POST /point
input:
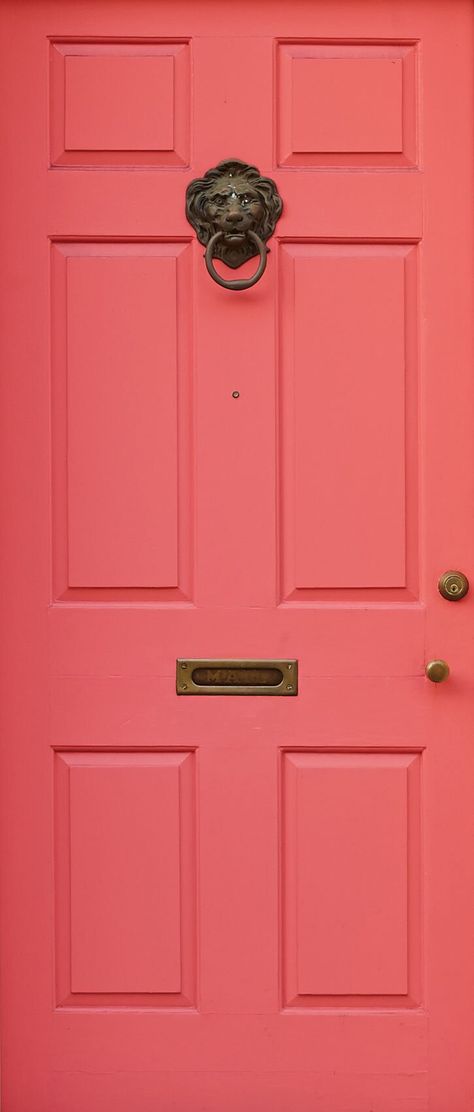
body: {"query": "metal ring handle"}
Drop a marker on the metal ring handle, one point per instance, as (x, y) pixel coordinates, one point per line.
(236, 283)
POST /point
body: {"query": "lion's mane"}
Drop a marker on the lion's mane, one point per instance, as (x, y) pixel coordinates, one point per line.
(197, 192)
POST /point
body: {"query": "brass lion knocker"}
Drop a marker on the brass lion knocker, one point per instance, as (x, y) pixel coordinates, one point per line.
(233, 211)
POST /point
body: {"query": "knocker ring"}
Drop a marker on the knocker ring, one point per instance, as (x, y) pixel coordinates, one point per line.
(236, 283)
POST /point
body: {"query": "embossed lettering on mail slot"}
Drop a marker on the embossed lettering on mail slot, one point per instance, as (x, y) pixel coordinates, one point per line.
(236, 677)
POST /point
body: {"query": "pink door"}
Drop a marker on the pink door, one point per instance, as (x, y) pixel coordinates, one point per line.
(222, 903)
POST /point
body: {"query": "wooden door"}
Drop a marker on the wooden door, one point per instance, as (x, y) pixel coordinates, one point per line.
(250, 904)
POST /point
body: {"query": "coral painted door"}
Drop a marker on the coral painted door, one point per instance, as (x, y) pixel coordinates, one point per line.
(218, 903)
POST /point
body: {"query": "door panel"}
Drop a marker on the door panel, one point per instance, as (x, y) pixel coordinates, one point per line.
(237, 903)
(116, 307)
(151, 83)
(347, 309)
(351, 854)
(125, 878)
(367, 104)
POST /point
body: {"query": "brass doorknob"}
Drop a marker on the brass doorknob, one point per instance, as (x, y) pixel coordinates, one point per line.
(453, 585)
(437, 671)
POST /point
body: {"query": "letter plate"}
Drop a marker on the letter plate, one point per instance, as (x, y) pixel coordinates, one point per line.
(236, 677)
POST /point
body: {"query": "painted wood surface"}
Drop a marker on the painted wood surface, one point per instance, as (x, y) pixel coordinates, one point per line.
(237, 903)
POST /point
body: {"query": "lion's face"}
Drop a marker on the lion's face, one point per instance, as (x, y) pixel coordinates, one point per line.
(233, 199)
(232, 206)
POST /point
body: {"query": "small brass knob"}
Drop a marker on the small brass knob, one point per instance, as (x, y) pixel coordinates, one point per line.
(437, 671)
(453, 585)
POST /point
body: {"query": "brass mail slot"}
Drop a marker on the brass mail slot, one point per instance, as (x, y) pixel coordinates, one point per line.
(236, 677)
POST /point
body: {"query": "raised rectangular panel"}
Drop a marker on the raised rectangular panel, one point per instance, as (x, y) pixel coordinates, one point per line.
(122, 425)
(119, 424)
(352, 104)
(125, 916)
(125, 877)
(351, 867)
(348, 470)
(119, 103)
(346, 104)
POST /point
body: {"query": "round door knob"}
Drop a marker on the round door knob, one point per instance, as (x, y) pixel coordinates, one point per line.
(437, 671)
(453, 585)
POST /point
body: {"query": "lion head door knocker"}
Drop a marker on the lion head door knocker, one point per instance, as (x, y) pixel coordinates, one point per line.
(233, 211)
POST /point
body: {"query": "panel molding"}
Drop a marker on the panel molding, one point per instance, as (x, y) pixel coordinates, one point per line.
(400, 770)
(368, 148)
(73, 953)
(65, 588)
(173, 147)
(292, 588)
